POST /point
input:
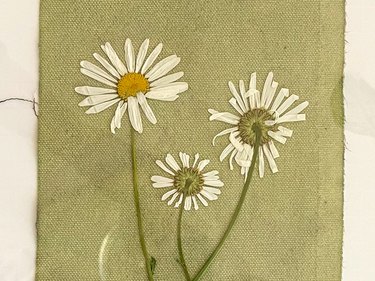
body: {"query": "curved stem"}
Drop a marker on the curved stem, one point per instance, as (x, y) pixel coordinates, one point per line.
(179, 244)
(138, 208)
(238, 208)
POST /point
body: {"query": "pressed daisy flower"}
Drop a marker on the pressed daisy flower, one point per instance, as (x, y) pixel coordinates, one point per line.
(188, 182)
(130, 84)
(269, 111)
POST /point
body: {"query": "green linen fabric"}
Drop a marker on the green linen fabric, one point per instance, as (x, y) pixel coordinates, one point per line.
(291, 225)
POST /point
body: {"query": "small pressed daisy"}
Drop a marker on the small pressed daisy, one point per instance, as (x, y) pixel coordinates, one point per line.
(188, 182)
(129, 85)
(268, 111)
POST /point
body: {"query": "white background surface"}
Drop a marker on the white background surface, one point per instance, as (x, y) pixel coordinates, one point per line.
(18, 133)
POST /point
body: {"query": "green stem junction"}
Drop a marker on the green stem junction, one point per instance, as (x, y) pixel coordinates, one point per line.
(233, 220)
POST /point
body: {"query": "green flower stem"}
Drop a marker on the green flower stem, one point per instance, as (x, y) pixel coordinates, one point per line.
(138, 208)
(179, 244)
(204, 268)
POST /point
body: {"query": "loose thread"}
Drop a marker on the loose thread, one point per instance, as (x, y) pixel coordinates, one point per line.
(24, 100)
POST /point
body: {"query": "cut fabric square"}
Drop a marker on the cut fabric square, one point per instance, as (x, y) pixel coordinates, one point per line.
(153, 165)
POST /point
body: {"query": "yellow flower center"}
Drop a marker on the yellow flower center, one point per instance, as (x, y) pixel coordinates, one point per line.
(131, 84)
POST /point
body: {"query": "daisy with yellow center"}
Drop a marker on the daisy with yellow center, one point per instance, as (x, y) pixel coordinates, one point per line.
(129, 85)
(188, 182)
(267, 111)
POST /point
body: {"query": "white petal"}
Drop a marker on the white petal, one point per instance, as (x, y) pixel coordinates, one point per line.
(202, 164)
(160, 64)
(94, 100)
(187, 159)
(116, 118)
(235, 141)
(161, 96)
(162, 184)
(212, 173)
(233, 102)
(246, 172)
(100, 107)
(266, 87)
(172, 163)
(217, 183)
(298, 108)
(212, 190)
(196, 157)
(97, 70)
(171, 88)
(277, 137)
(282, 94)
(170, 202)
(113, 57)
(164, 81)
(211, 178)
(168, 194)
(273, 149)
(182, 158)
(249, 151)
(113, 126)
(234, 92)
(97, 77)
(253, 81)
(164, 168)
(195, 202)
(141, 55)
(107, 65)
(203, 201)
(178, 203)
(261, 163)
(146, 108)
(134, 114)
(187, 206)
(161, 179)
(270, 122)
(271, 93)
(163, 67)
(228, 149)
(242, 159)
(121, 114)
(209, 195)
(152, 57)
(286, 104)
(168, 92)
(257, 99)
(92, 91)
(224, 117)
(234, 152)
(251, 94)
(271, 160)
(243, 94)
(285, 132)
(129, 55)
(243, 170)
(222, 133)
(291, 118)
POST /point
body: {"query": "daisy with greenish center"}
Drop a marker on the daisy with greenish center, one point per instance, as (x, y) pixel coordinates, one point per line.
(129, 85)
(267, 111)
(188, 182)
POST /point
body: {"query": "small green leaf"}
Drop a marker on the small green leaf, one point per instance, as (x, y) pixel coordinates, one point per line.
(153, 264)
